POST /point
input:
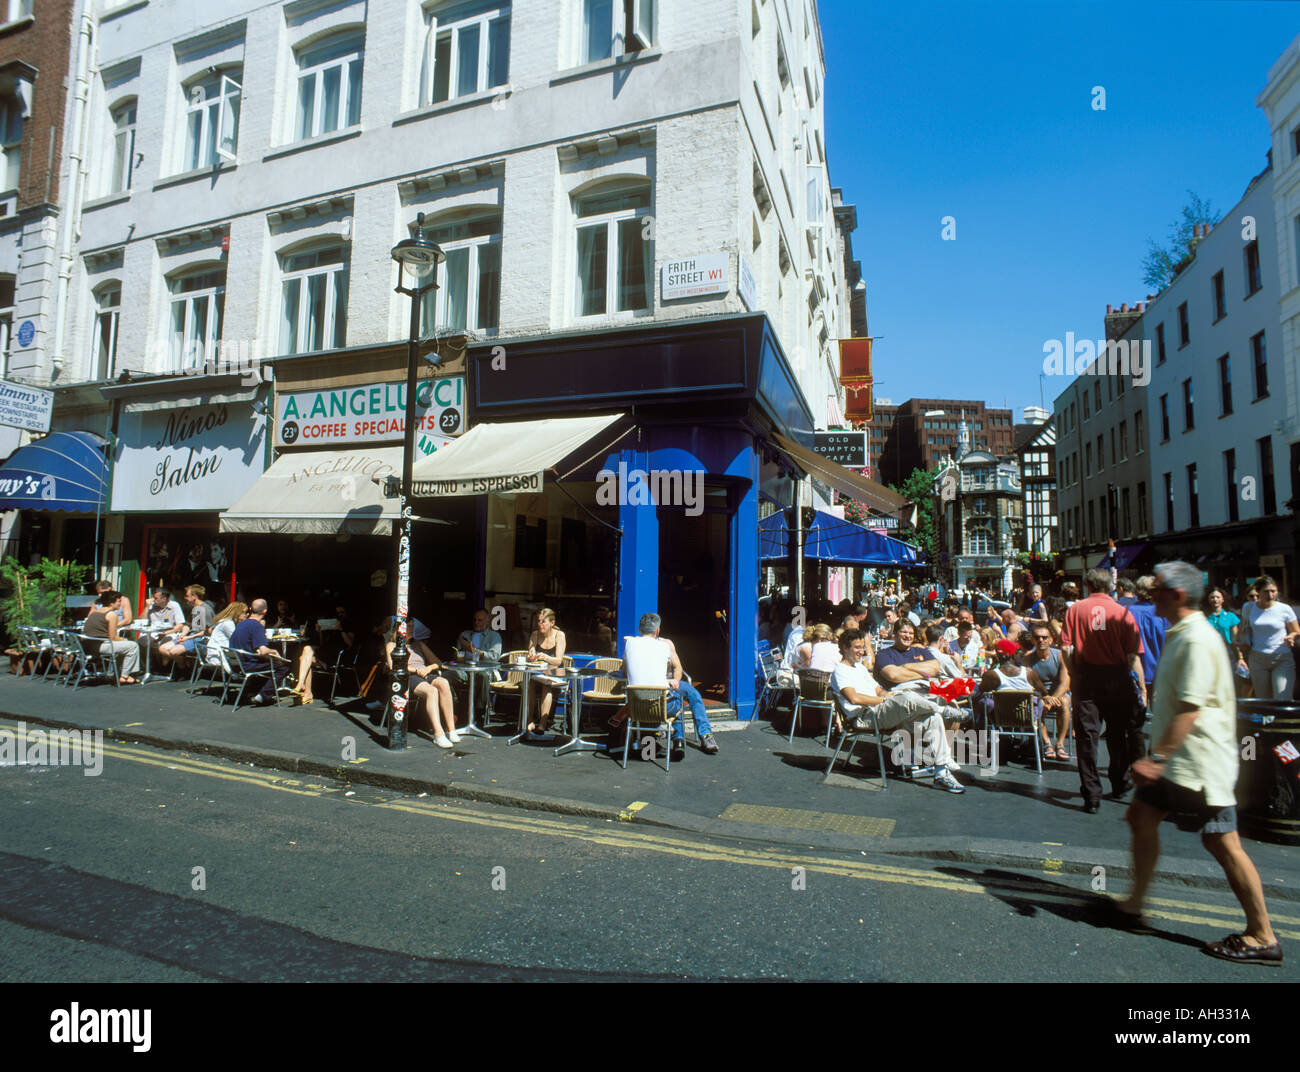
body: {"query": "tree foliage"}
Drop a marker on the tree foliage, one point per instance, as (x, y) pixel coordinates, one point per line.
(919, 488)
(1163, 262)
(37, 595)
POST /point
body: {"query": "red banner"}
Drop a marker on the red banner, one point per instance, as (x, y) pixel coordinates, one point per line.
(855, 376)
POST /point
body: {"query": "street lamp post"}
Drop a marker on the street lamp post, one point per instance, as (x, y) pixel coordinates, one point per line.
(421, 257)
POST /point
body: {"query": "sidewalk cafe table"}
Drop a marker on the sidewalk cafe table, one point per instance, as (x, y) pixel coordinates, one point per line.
(577, 744)
(529, 671)
(143, 628)
(285, 638)
(471, 671)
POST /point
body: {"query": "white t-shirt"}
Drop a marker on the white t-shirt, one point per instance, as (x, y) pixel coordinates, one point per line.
(792, 646)
(646, 661)
(1267, 627)
(219, 642)
(859, 679)
(825, 656)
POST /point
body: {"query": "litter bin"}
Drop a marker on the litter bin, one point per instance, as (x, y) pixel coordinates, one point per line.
(1268, 786)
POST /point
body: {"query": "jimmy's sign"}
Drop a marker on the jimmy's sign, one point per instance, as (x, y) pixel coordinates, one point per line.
(694, 277)
(374, 413)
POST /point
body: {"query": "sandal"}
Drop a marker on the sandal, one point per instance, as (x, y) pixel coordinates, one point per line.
(1063, 752)
(1234, 947)
(1049, 752)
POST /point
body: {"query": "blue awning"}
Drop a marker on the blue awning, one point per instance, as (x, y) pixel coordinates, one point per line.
(832, 539)
(64, 471)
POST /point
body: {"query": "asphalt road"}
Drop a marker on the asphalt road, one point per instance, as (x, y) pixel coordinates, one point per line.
(171, 868)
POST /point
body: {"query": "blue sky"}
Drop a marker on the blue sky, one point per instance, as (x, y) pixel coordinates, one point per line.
(984, 113)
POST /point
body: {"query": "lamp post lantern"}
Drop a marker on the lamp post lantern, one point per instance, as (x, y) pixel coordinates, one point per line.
(421, 257)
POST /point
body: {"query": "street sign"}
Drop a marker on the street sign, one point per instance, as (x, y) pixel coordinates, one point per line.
(844, 448)
(25, 407)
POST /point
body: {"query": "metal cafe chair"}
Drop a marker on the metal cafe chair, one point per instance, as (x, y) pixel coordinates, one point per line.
(647, 710)
(814, 692)
(93, 661)
(240, 676)
(217, 669)
(1014, 714)
(511, 685)
(854, 734)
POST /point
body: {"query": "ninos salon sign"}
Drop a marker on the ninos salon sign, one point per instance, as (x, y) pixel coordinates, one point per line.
(199, 458)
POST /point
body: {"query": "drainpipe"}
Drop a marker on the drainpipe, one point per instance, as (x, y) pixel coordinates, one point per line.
(76, 185)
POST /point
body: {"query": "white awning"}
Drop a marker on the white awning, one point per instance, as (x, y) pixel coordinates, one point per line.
(846, 482)
(508, 458)
(320, 492)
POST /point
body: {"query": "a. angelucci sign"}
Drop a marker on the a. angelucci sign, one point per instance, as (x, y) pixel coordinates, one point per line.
(694, 277)
(197, 458)
(25, 407)
(374, 413)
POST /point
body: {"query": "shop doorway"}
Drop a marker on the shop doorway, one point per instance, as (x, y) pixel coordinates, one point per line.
(695, 591)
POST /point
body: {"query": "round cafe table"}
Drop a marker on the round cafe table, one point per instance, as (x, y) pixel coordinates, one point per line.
(472, 672)
(142, 628)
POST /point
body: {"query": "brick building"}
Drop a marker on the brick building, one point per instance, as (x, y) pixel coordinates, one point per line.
(921, 432)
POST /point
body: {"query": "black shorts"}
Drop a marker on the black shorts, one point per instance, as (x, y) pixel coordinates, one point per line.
(1188, 809)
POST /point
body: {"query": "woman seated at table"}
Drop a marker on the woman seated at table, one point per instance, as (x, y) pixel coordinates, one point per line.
(819, 650)
(223, 625)
(283, 617)
(428, 685)
(545, 645)
(123, 608)
(321, 647)
(102, 624)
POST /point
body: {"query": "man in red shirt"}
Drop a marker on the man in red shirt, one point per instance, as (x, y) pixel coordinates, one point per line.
(1103, 646)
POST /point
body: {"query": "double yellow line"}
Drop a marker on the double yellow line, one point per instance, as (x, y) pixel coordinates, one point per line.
(623, 837)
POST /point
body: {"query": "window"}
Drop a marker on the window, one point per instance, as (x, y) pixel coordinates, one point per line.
(1259, 359)
(1220, 297)
(11, 141)
(1225, 386)
(1086, 411)
(123, 148)
(1164, 418)
(1189, 414)
(1169, 501)
(329, 87)
(1101, 453)
(1254, 278)
(1265, 447)
(211, 122)
(1114, 457)
(469, 280)
(467, 50)
(1119, 383)
(1193, 499)
(1087, 459)
(1184, 328)
(612, 27)
(1230, 483)
(1092, 521)
(1123, 440)
(1160, 343)
(980, 506)
(1142, 507)
(1139, 435)
(314, 301)
(1097, 400)
(6, 321)
(1126, 508)
(981, 541)
(104, 358)
(18, 9)
(1295, 143)
(613, 252)
(198, 302)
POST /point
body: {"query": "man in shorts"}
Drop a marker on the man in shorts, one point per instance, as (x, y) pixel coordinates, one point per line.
(1192, 770)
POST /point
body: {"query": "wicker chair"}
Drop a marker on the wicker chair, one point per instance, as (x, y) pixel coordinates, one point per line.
(815, 692)
(606, 686)
(511, 685)
(647, 710)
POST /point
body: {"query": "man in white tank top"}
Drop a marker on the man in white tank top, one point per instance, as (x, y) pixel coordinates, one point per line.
(647, 660)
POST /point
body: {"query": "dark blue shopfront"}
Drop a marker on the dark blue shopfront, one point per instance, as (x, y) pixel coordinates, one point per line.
(699, 398)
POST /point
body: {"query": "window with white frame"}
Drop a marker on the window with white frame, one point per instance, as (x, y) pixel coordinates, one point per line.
(11, 140)
(613, 251)
(103, 358)
(18, 9)
(613, 27)
(314, 300)
(466, 50)
(6, 320)
(123, 116)
(981, 542)
(197, 304)
(469, 280)
(212, 120)
(329, 87)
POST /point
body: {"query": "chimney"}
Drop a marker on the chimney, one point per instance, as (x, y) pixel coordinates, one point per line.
(1140, 306)
(1109, 309)
(1124, 308)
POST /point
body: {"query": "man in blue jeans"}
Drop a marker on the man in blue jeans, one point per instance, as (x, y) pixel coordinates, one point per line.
(648, 659)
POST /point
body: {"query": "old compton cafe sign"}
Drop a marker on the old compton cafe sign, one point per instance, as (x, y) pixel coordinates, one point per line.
(371, 414)
(199, 458)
